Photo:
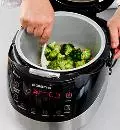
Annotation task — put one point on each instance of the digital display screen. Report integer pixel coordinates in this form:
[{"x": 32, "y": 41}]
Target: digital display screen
[{"x": 54, "y": 95}]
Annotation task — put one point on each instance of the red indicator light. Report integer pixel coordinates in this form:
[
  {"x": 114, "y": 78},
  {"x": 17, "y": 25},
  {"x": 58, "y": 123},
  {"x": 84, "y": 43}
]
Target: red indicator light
[
  {"x": 54, "y": 95},
  {"x": 57, "y": 95},
  {"x": 36, "y": 92},
  {"x": 68, "y": 95},
  {"x": 48, "y": 94}
]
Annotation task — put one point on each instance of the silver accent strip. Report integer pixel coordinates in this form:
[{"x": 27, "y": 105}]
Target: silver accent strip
[{"x": 43, "y": 73}]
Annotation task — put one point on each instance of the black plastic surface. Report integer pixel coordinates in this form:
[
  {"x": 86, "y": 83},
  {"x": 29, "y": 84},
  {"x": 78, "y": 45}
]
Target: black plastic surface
[
  {"x": 53, "y": 102},
  {"x": 86, "y": 8}
]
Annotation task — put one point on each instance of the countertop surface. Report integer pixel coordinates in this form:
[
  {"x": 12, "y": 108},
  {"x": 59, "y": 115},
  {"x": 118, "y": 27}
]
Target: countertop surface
[{"x": 107, "y": 116}]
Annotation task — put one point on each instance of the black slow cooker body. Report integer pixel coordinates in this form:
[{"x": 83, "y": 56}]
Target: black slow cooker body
[{"x": 57, "y": 98}]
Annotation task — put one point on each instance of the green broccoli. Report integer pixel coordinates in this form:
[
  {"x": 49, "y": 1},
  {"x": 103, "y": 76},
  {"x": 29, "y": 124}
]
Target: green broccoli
[
  {"x": 52, "y": 55},
  {"x": 47, "y": 51},
  {"x": 69, "y": 64},
  {"x": 65, "y": 64},
  {"x": 80, "y": 63},
  {"x": 53, "y": 65},
  {"x": 86, "y": 54},
  {"x": 76, "y": 54},
  {"x": 57, "y": 47},
  {"x": 57, "y": 64},
  {"x": 60, "y": 56},
  {"x": 67, "y": 49},
  {"x": 60, "y": 64},
  {"x": 51, "y": 45},
  {"x": 65, "y": 56},
  {"x": 54, "y": 46}
]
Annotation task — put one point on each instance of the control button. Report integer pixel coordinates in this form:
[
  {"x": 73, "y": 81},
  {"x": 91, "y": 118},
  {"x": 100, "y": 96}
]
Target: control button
[
  {"x": 27, "y": 91},
  {"x": 15, "y": 97},
  {"x": 16, "y": 90},
  {"x": 67, "y": 108},
  {"x": 33, "y": 111},
  {"x": 68, "y": 95},
  {"x": 15, "y": 74},
  {"x": 58, "y": 112},
  {"x": 68, "y": 100},
  {"x": 15, "y": 84},
  {"x": 45, "y": 113},
  {"x": 22, "y": 106}
]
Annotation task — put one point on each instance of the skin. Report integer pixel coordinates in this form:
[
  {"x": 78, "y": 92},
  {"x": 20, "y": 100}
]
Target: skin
[
  {"x": 114, "y": 28},
  {"x": 37, "y": 17}
]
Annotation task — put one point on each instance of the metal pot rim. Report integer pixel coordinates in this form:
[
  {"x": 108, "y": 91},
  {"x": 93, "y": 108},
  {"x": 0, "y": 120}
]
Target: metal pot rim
[{"x": 74, "y": 15}]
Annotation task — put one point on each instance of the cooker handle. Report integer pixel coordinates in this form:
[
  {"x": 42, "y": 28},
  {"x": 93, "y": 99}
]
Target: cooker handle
[
  {"x": 32, "y": 71},
  {"x": 112, "y": 62},
  {"x": 43, "y": 73}
]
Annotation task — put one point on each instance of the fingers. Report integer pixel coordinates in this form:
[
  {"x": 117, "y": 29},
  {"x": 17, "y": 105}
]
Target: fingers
[
  {"x": 114, "y": 34},
  {"x": 117, "y": 55},
  {"x": 46, "y": 34},
  {"x": 30, "y": 29},
  {"x": 38, "y": 31},
  {"x": 117, "y": 50}
]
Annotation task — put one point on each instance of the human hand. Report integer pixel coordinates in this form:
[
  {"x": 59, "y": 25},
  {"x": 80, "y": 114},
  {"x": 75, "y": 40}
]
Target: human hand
[
  {"x": 37, "y": 17},
  {"x": 114, "y": 28}
]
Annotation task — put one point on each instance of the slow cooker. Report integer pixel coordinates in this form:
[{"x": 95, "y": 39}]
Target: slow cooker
[{"x": 65, "y": 99}]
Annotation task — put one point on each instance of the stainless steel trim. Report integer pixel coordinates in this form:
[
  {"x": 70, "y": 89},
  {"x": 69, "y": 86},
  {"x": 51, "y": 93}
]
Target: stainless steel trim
[{"x": 43, "y": 73}]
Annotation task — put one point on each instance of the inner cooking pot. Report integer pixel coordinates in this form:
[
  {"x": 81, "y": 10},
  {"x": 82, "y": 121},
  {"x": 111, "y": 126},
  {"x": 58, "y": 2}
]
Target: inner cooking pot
[{"x": 82, "y": 31}]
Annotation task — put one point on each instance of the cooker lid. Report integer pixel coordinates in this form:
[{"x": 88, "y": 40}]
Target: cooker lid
[{"x": 90, "y": 6}]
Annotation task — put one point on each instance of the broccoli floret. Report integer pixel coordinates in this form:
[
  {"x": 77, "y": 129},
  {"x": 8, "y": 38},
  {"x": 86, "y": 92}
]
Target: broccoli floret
[
  {"x": 63, "y": 57},
  {"x": 57, "y": 47},
  {"x": 53, "y": 65},
  {"x": 60, "y": 56},
  {"x": 47, "y": 51},
  {"x": 51, "y": 45},
  {"x": 86, "y": 54},
  {"x": 65, "y": 64},
  {"x": 60, "y": 64},
  {"x": 76, "y": 54},
  {"x": 54, "y": 46},
  {"x": 79, "y": 63},
  {"x": 52, "y": 55},
  {"x": 69, "y": 64},
  {"x": 57, "y": 64},
  {"x": 67, "y": 49}
]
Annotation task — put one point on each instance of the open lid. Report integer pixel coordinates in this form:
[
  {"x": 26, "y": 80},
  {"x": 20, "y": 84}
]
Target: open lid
[{"x": 95, "y": 6}]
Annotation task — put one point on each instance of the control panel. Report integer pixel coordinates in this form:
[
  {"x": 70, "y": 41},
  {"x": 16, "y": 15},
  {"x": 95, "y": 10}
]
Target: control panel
[{"x": 38, "y": 99}]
